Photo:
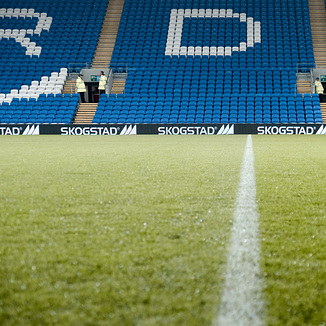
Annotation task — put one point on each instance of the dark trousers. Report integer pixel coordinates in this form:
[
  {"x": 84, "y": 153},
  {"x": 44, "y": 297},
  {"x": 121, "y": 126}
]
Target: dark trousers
[
  {"x": 82, "y": 97},
  {"x": 321, "y": 97}
]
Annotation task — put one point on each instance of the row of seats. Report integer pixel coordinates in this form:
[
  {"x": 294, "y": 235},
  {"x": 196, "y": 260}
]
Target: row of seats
[
  {"x": 192, "y": 118},
  {"x": 238, "y": 60},
  {"x": 220, "y": 109},
  {"x": 51, "y": 109},
  {"x": 211, "y": 82},
  {"x": 145, "y": 99},
  {"x": 50, "y": 98}
]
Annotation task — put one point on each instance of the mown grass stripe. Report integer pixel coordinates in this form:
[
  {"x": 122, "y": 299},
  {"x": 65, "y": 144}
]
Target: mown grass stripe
[{"x": 242, "y": 302}]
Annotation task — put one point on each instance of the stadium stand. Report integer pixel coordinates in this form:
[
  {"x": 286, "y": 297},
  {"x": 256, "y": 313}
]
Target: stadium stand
[
  {"x": 38, "y": 40},
  {"x": 188, "y": 61},
  {"x": 212, "y": 62}
]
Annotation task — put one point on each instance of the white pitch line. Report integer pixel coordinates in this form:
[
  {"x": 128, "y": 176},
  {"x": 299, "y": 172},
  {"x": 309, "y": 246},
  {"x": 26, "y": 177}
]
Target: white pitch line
[{"x": 242, "y": 300}]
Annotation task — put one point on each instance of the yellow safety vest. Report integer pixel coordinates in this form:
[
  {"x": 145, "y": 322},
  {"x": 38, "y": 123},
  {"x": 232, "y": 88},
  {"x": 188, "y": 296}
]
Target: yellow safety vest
[
  {"x": 319, "y": 87},
  {"x": 102, "y": 82},
  {"x": 80, "y": 85}
]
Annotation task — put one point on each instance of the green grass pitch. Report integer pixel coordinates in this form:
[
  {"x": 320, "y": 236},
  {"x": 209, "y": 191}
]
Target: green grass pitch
[{"x": 134, "y": 230}]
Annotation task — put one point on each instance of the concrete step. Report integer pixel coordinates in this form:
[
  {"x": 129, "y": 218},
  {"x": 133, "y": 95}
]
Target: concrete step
[
  {"x": 109, "y": 33},
  {"x": 303, "y": 87},
  {"x": 323, "y": 111},
  {"x": 69, "y": 87},
  {"x": 85, "y": 113},
  {"x": 118, "y": 86}
]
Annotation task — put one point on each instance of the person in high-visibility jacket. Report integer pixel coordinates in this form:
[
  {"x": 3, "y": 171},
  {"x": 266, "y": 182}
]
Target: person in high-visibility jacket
[
  {"x": 102, "y": 83},
  {"x": 319, "y": 88},
  {"x": 81, "y": 88}
]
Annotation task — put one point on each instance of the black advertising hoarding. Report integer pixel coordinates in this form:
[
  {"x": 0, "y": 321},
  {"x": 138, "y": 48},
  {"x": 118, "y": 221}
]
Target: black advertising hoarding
[{"x": 162, "y": 129}]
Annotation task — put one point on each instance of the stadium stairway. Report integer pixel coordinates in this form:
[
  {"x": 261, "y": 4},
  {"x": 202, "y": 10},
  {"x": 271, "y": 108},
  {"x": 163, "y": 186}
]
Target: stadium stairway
[
  {"x": 69, "y": 87},
  {"x": 118, "y": 84},
  {"x": 85, "y": 113},
  {"x": 108, "y": 34},
  {"x": 323, "y": 111},
  {"x": 102, "y": 59},
  {"x": 318, "y": 28},
  {"x": 304, "y": 86}
]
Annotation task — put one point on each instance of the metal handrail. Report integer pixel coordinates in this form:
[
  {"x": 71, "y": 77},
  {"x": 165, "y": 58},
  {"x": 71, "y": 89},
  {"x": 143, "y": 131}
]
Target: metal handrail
[
  {"x": 305, "y": 67},
  {"x": 109, "y": 82},
  {"x": 76, "y": 67}
]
